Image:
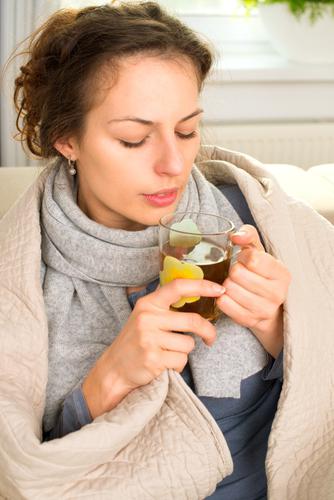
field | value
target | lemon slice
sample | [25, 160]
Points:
[173, 269]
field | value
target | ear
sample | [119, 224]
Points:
[67, 147]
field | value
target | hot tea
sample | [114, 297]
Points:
[214, 263]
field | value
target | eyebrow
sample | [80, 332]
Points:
[149, 122]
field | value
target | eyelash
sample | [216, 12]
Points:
[138, 144]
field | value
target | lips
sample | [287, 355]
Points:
[162, 198]
[163, 192]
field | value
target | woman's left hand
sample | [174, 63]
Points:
[256, 288]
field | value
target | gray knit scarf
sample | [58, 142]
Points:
[87, 269]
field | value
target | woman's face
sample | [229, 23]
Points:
[142, 139]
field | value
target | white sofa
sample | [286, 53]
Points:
[315, 186]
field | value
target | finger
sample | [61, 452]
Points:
[253, 282]
[174, 360]
[262, 263]
[247, 235]
[170, 293]
[188, 322]
[236, 312]
[258, 306]
[176, 342]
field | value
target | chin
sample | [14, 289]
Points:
[152, 219]
[151, 216]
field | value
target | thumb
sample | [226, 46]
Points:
[247, 235]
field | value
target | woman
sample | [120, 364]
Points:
[100, 397]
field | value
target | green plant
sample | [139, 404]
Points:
[315, 8]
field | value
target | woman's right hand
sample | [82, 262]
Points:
[148, 344]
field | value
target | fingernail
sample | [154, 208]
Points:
[212, 341]
[219, 289]
[240, 233]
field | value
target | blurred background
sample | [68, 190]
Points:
[260, 98]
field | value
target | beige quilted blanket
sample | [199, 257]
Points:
[160, 441]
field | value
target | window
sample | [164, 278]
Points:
[223, 22]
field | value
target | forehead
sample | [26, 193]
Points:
[148, 84]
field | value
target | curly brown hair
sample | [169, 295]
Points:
[54, 89]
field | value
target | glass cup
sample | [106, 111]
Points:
[195, 245]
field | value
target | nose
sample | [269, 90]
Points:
[169, 159]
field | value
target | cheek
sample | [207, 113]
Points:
[110, 162]
[120, 185]
[193, 149]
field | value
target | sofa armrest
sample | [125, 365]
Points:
[326, 171]
[314, 186]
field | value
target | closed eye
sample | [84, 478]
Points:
[132, 144]
[138, 144]
[187, 136]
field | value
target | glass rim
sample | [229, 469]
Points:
[227, 231]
